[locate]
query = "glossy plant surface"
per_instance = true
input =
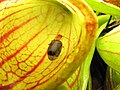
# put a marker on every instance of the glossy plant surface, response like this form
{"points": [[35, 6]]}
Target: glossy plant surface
{"points": [[27, 28]]}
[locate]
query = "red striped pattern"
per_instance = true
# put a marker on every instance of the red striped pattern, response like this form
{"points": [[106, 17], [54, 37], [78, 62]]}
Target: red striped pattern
{"points": [[26, 30]]}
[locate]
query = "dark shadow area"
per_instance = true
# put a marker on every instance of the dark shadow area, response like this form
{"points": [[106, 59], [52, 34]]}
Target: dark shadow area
{"points": [[98, 72]]}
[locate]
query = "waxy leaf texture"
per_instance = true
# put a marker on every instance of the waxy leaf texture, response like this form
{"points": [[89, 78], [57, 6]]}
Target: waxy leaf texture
{"points": [[108, 47], [26, 29]]}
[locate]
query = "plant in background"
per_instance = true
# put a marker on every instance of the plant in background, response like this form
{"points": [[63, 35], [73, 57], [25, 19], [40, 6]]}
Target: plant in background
{"points": [[49, 44]]}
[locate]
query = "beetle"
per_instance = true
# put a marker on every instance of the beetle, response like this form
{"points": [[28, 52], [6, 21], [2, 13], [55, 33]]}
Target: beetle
{"points": [[55, 48]]}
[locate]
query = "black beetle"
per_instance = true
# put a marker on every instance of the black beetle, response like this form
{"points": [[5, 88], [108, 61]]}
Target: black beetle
{"points": [[54, 48]]}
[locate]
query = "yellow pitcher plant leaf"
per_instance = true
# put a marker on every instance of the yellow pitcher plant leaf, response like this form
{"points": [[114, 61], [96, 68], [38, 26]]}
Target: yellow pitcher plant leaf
{"points": [[79, 79], [27, 29]]}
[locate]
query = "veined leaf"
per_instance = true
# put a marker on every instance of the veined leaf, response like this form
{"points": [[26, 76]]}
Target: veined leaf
{"points": [[79, 80], [27, 28], [112, 79], [108, 47]]}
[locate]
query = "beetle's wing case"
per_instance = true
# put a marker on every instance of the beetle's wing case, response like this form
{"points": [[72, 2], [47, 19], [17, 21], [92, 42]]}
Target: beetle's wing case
{"points": [[54, 49]]}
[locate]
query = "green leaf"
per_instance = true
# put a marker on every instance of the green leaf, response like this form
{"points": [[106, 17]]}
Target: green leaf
{"points": [[100, 29], [85, 70], [108, 47], [102, 19], [117, 87], [100, 6], [112, 79]]}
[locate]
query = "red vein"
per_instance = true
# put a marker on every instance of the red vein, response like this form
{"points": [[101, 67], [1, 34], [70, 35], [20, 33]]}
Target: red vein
{"points": [[6, 35], [12, 6], [76, 79], [15, 13], [28, 73], [118, 53], [23, 77], [55, 67], [17, 51], [14, 20], [51, 72]]}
